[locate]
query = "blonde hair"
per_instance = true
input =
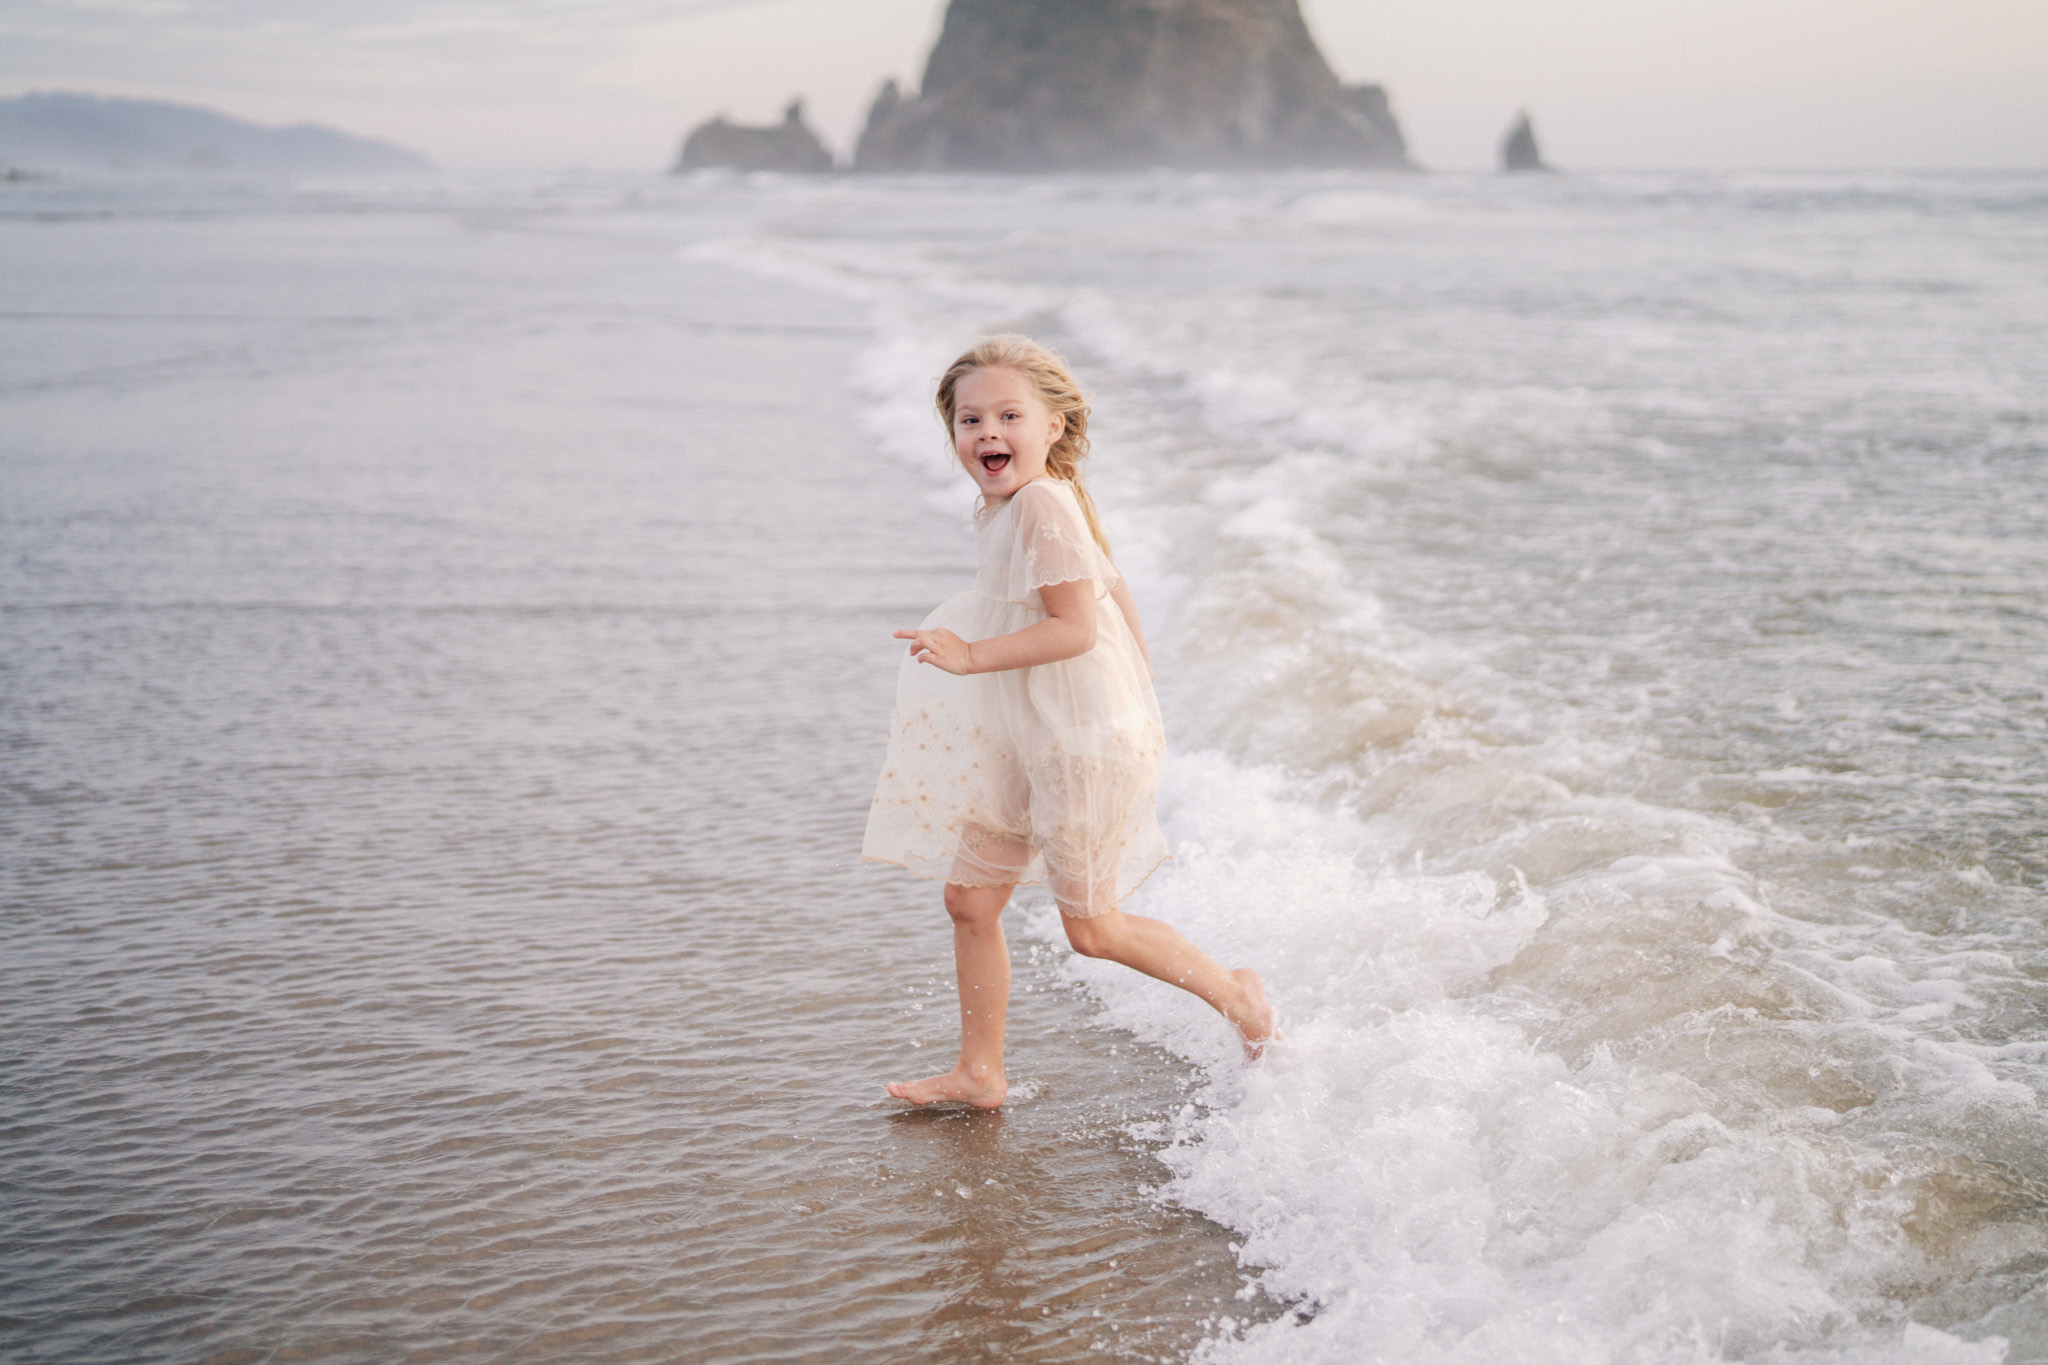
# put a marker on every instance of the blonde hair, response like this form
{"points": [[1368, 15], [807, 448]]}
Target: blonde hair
{"points": [[1048, 373]]}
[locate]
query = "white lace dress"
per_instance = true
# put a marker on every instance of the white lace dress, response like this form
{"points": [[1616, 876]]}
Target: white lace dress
{"points": [[1032, 774]]}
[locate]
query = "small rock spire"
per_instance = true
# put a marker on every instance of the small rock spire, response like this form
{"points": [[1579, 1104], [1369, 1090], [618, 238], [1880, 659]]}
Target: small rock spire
{"points": [[1518, 150]]}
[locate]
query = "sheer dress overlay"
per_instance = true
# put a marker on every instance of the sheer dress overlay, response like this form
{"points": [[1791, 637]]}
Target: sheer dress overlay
{"points": [[1043, 774]]}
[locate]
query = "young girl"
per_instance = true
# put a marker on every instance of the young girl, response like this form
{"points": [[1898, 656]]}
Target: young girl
{"points": [[1026, 742]]}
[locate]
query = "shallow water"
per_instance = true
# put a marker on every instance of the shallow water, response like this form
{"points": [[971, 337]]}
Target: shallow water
{"points": [[1602, 641], [437, 743]]}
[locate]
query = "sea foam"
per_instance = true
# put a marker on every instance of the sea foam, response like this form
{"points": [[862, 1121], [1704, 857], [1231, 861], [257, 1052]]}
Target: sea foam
{"points": [[1587, 1059]]}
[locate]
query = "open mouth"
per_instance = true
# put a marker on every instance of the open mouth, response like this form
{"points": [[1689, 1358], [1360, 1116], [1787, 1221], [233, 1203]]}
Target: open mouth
{"points": [[995, 463]]}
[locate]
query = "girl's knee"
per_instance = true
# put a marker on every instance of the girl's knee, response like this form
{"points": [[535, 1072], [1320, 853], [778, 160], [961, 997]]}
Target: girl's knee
{"points": [[974, 904], [1091, 937]]}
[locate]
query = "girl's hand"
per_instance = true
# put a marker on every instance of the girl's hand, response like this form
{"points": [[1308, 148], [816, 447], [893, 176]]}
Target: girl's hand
{"points": [[940, 648]]}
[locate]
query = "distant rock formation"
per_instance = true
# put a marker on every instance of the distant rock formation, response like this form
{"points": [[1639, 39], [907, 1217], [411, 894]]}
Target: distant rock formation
{"points": [[1518, 150], [786, 146], [84, 134], [1055, 85]]}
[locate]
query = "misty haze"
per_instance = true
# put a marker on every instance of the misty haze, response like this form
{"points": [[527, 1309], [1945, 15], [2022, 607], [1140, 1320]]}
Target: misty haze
{"points": [[1580, 476]]}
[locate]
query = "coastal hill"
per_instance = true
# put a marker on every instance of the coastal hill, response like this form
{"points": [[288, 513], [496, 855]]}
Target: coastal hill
{"points": [[1055, 85], [72, 134]]}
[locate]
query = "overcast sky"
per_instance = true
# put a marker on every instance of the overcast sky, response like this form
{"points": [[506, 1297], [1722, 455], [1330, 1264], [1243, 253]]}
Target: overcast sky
{"points": [[1612, 83]]}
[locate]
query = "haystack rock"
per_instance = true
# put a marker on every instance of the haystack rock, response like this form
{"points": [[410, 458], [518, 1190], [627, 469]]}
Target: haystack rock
{"points": [[786, 146], [1096, 85], [1518, 150]]}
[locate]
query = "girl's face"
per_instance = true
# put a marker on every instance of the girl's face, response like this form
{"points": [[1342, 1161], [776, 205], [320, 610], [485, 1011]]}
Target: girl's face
{"points": [[1002, 430]]}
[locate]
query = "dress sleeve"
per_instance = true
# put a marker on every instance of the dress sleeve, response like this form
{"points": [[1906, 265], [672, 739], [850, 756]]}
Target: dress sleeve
{"points": [[1053, 544]]}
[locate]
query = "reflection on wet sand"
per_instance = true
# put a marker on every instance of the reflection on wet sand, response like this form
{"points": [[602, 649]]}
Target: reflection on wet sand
{"points": [[1043, 1256]]}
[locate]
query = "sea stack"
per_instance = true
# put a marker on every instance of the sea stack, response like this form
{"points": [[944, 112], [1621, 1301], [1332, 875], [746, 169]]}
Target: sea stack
{"points": [[1518, 150], [787, 146], [1103, 85]]}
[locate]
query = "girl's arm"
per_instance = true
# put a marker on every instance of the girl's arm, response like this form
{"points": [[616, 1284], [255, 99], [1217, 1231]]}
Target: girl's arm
{"points": [[1128, 605], [1067, 631]]}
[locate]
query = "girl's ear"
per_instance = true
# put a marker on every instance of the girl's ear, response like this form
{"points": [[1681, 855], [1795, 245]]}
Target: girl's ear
{"points": [[1059, 426]]}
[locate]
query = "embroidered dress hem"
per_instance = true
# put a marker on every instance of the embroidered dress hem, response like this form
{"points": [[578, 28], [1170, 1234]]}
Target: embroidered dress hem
{"points": [[921, 875]]}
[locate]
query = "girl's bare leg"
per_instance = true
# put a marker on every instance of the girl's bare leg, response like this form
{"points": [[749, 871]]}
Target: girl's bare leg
{"points": [[981, 960], [1159, 950]]}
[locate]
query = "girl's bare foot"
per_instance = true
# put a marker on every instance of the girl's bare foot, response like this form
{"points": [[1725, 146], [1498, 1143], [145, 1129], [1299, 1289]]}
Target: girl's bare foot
{"points": [[975, 1085], [1259, 1024]]}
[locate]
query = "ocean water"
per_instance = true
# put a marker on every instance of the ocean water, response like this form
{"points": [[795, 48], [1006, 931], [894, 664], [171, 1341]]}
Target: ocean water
{"points": [[444, 652]]}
